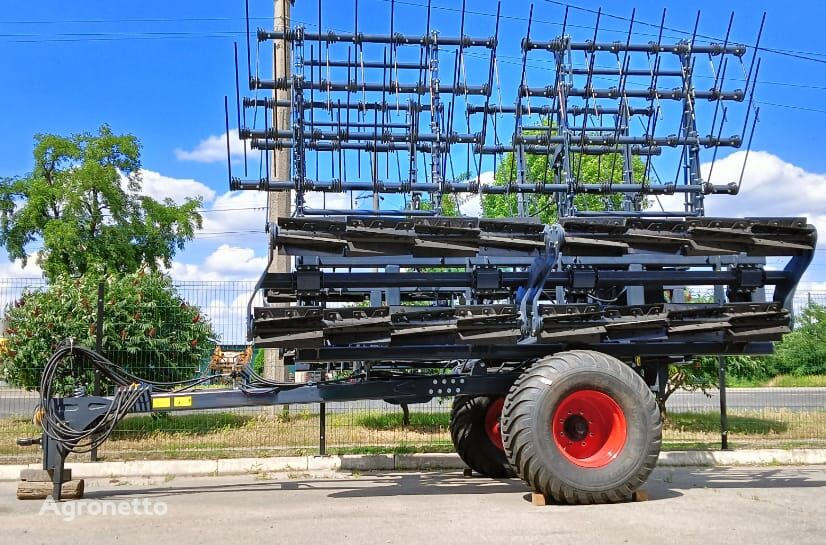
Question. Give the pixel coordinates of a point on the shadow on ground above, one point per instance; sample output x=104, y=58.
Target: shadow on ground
x=664, y=484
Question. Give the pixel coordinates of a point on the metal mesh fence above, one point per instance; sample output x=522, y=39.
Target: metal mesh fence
x=781, y=407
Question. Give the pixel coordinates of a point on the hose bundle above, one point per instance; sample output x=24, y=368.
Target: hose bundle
x=129, y=389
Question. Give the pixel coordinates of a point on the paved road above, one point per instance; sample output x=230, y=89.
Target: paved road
x=687, y=506
x=796, y=399
x=15, y=403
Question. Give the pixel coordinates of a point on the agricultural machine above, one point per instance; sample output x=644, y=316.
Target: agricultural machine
x=552, y=338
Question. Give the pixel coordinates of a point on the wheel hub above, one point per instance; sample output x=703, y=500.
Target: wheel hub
x=493, y=417
x=589, y=428
x=575, y=428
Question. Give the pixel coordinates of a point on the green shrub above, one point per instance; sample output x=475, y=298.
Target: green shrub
x=258, y=362
x=148, y=329
x=803, y=351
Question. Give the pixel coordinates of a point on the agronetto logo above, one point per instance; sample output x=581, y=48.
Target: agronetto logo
x=71, y=510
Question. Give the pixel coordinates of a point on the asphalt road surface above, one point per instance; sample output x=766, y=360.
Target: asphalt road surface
x=22, y=404
x=686, y=506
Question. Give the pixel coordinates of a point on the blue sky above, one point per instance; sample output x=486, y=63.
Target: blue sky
x=160, y=70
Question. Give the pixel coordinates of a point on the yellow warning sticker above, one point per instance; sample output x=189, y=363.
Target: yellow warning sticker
x=161, y=402
x=182, y=401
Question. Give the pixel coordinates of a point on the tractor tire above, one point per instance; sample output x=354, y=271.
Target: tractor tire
x=474, y=429
x=582, y=427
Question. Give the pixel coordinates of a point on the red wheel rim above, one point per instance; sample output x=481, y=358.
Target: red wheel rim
x=492, y=422
x=589, y=428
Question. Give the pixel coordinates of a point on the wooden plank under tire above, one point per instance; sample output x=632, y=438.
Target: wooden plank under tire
x=40, y=490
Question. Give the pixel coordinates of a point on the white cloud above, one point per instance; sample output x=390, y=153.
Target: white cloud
x=14, y=279
x=330, y=201
x=229, y=317
x=818, y=287
x=471, y=205
x=234, y=260
x=213, y=149
x=16, y=269
x=771, y=187
x=187, y=272
x=160, y=187
x=224, y=263
x=236, y=211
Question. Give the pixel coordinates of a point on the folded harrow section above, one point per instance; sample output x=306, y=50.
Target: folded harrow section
x=573, y=325
x=415, y=237
x=688, y=237
x=421, y=282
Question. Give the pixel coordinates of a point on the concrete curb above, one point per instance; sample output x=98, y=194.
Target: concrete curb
x=390, y=462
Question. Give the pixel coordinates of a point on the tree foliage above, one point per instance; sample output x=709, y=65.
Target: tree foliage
x=148, y=328
x=803, y=351
x=585, y=168
x=82, y=201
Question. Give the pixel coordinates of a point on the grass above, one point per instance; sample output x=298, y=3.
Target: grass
x=681, y=423
x=789, y=381
x=780, y=381
x=275, y=433
x=422, y=422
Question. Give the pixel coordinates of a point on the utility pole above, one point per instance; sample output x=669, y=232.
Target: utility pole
x=279, y=202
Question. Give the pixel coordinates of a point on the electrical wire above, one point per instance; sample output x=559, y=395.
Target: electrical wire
x=129, y=390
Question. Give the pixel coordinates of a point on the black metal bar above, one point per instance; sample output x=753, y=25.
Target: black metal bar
x=353, y=86
x=425, y=147
x=411, y=386
x=93, y=454
x=615, y=93
x=588, y=150
x=552, y=109
x=367, y=64
x=679, y=48
x=380, y=136
x=322, y=429
x=229, y=158
x=431, y=353
x=363, y=212
x=311, y=125
x=583, y=128
x=362, y=106
x=614, y=140
x=338, y=186
x=721, y=375
x=298, y=34
x=513, y=279
x=627, y=72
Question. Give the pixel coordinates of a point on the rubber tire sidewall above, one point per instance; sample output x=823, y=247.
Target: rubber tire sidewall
x=467, y=431
x=527, y=428
x=631, y=458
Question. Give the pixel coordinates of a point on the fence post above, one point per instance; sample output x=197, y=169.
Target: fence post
x=721, y=375
x=322, y=429
x=93, y=455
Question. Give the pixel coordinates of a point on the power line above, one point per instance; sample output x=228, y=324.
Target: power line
x=790, y=106
x=136, y=20
x=209, y=210
x=516, y=61
x=790, y=53
x=803, y=55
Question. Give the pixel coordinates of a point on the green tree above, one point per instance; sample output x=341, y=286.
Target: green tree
x=803, y=351
x=82, y=201
x=148, y=329
x=586, y=168
x=702, y=374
